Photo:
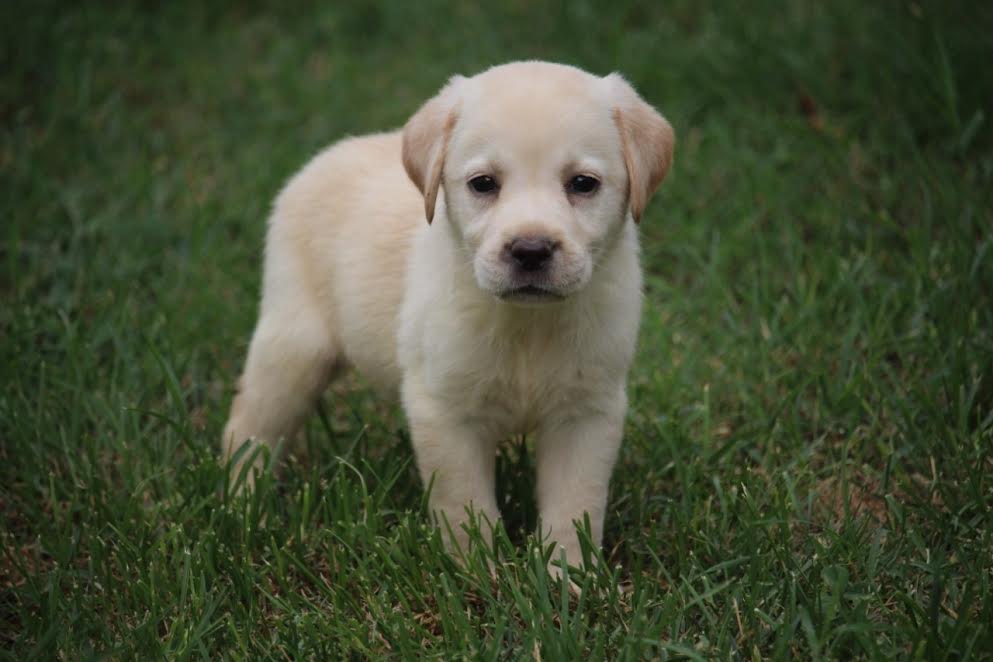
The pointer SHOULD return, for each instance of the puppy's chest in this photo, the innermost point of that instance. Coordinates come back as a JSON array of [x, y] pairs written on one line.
[[514, 389]]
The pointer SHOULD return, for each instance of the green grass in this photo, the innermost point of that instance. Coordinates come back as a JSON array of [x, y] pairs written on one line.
[[808, 462]]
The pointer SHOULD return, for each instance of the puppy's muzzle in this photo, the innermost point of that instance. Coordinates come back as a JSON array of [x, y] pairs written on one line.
[[530, 253]]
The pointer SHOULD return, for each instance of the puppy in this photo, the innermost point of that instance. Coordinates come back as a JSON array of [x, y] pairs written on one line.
[[483, 264]]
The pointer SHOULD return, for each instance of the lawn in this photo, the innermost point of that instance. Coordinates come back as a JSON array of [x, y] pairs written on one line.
[[807, 468]]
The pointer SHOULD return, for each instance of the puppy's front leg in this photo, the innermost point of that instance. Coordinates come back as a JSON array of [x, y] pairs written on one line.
[[455, 459], [575, 459]]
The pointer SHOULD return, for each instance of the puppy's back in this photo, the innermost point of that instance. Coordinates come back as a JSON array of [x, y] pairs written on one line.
[[339, 235]]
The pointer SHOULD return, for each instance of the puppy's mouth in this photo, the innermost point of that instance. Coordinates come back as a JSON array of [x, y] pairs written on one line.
[[530, 294]]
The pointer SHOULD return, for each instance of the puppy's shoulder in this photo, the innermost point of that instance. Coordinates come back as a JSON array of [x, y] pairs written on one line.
[[343, 165]]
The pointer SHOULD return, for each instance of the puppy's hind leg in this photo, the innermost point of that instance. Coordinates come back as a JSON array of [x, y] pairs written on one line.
[[290, 360]]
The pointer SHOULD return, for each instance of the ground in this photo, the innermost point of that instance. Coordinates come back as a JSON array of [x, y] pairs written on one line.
[[807, 468]]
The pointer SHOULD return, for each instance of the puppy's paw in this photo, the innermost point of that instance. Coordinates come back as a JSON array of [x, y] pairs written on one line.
[[245, 467], [569, 575]]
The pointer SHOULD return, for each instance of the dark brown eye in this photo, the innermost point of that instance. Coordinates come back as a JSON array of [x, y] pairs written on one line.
[[582, 184], [483, 184]]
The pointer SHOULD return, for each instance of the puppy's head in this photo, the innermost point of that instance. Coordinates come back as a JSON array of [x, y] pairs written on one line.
[[540, 165]]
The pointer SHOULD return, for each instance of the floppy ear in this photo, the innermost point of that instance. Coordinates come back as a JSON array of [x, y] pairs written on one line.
[[425, 138], [647, 140]]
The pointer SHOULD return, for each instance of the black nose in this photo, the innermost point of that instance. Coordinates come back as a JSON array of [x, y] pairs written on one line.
[[531, 253]]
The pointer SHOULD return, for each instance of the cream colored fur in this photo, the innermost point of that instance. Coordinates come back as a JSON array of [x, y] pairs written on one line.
[[381, 256]]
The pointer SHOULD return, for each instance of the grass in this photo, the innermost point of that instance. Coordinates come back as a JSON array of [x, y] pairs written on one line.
[[808, 462]]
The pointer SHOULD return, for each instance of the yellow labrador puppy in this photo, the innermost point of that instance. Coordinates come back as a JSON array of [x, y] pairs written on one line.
[[483, 263]]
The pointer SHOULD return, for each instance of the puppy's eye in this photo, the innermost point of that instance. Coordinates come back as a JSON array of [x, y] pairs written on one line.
[[483, 184], [582, 184]]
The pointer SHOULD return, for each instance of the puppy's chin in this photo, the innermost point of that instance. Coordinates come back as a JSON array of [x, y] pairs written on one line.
[[531, 296], [531, 290]]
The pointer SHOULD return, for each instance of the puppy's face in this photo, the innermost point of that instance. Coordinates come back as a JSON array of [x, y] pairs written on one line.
[[535, 171]]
